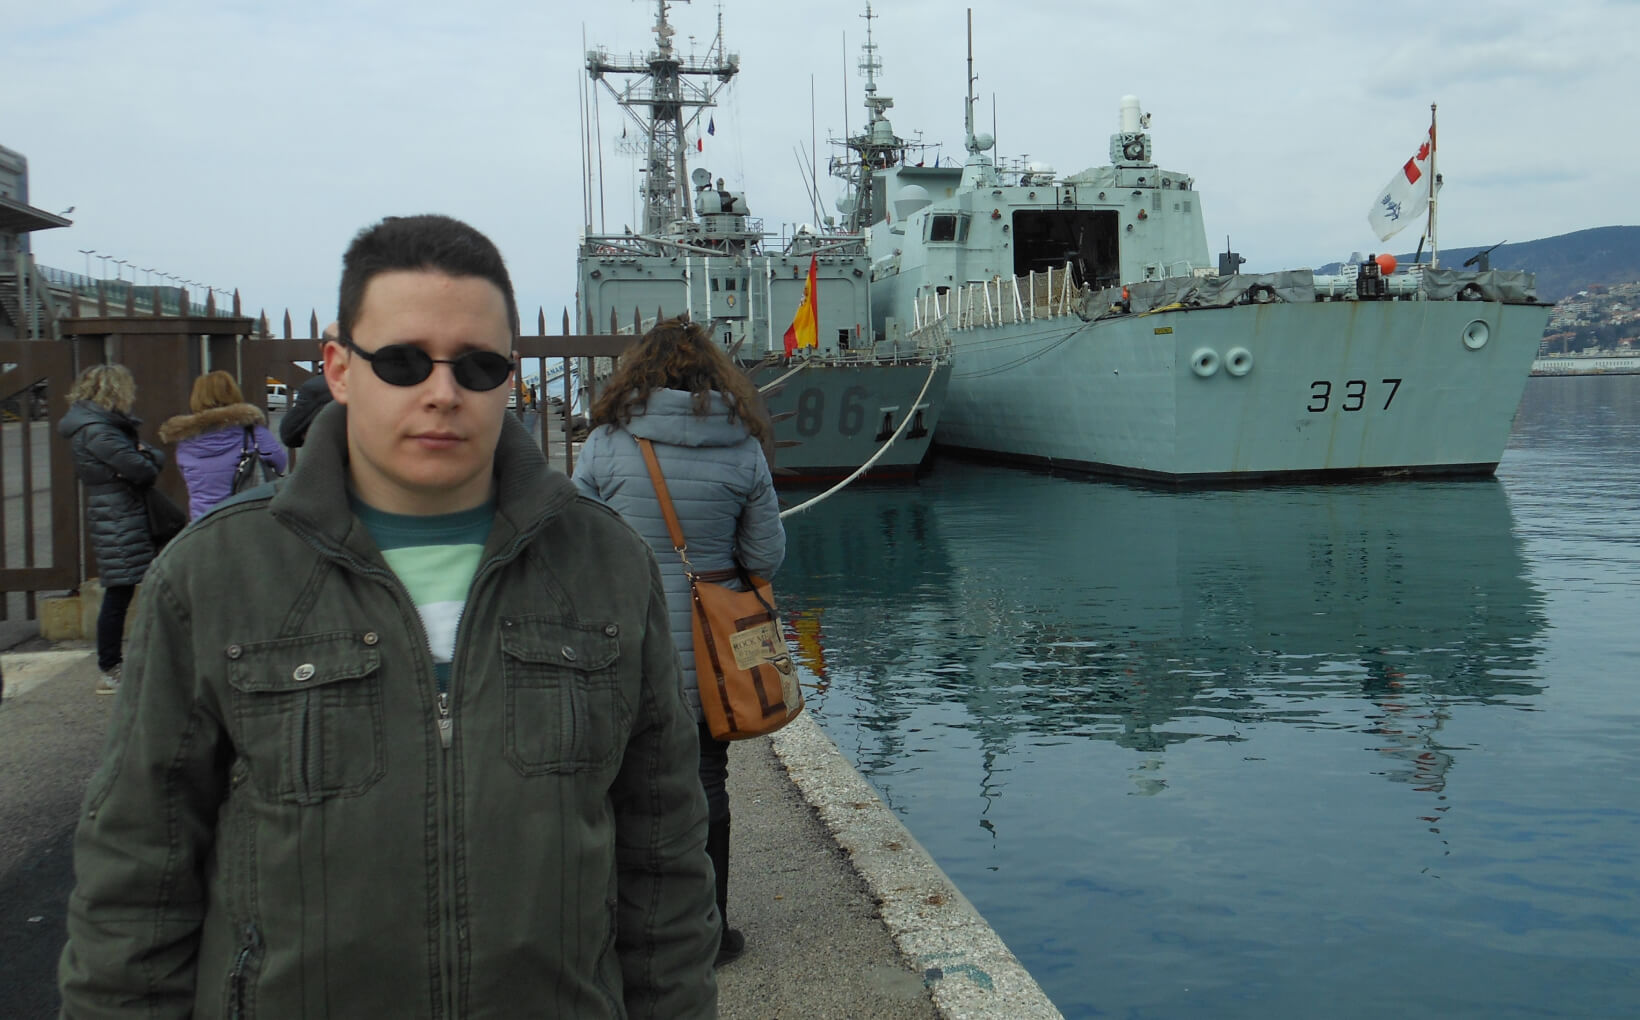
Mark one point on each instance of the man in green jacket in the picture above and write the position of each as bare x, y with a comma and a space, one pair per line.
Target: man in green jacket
402, 735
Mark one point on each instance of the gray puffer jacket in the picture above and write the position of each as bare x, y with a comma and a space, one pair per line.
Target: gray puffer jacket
113, 465
720, 485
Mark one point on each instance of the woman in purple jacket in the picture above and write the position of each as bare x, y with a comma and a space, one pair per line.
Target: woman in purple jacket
210, 439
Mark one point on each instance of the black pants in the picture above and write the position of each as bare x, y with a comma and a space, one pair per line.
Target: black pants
111, 624
714, 774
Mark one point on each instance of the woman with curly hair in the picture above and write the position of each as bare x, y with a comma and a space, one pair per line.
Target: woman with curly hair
210, 440
680, 391
115, 467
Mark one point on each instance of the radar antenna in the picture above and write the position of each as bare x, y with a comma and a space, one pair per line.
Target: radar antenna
664, 93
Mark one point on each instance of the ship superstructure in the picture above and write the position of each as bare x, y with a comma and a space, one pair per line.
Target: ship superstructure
1090, 331
859, 395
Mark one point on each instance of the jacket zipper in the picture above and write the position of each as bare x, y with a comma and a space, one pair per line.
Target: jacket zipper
449, 955
446, 723
250, 941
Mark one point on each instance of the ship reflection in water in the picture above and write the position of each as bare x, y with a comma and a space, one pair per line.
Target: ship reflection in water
1149, 734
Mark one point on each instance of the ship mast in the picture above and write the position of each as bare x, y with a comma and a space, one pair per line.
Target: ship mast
875, 148
664, 93
978, 170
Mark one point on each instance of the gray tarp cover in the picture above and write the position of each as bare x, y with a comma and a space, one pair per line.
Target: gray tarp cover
1293, 285
1514, 286
1202, 291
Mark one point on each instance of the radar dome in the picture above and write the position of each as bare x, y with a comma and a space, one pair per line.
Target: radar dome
911, 198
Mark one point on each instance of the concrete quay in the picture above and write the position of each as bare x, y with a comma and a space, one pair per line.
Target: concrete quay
845, 915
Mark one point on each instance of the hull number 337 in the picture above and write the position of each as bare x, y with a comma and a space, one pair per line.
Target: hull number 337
1352, 396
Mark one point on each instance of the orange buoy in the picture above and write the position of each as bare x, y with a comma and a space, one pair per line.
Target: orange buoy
1386, 264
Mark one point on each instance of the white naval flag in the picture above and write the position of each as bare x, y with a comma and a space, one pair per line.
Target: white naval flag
1406, 196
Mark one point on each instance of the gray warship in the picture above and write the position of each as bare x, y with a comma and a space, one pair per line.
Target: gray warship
1090, 332
861, 401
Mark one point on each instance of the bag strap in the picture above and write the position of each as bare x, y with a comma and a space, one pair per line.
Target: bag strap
245, 447
664, 496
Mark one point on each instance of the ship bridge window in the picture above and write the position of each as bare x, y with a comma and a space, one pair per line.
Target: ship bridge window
950, 227
729, 284
1085, 239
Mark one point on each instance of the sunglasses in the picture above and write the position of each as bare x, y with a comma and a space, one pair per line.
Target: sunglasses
405, 365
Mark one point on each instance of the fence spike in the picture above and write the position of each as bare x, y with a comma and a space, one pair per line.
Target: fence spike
313, 325
287, 324
210, 303
637, 320
236, 308
540, 321
658, 315
566, 321
262, 317
614, 323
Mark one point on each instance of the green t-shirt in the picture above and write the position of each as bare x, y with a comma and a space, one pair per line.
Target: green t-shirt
435, 558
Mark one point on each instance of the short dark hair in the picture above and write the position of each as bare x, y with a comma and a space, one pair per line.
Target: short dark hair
432, 242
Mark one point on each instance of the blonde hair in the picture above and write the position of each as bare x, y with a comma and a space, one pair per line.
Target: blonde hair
214, 389
108, 386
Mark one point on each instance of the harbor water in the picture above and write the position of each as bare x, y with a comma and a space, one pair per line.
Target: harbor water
1356, 750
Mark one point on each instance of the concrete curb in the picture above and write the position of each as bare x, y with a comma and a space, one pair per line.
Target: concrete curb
970, 972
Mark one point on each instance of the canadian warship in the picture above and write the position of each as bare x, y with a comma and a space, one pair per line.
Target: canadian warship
1090, 332
853, 399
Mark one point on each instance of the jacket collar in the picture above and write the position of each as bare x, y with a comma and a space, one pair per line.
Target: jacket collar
668, 416
186, 426
83, 412
529, 493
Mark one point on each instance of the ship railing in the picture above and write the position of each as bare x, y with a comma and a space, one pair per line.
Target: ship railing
1001, 301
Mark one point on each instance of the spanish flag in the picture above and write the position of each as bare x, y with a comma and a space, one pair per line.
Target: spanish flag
805, 328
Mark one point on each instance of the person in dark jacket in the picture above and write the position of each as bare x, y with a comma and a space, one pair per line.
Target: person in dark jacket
115, 466
211, 439
402, 735
310, 399
679, 390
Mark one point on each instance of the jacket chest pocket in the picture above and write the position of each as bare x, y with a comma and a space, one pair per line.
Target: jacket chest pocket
565, 710
308, 715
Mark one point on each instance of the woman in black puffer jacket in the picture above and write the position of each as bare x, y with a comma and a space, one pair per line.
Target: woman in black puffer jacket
114, 466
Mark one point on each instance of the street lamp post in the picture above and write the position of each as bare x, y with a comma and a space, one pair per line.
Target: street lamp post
88, 252
105, 259
119, 274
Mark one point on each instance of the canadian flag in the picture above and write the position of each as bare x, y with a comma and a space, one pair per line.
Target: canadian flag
1406, 196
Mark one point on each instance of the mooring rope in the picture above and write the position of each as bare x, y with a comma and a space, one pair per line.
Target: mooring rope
933, 367
766, 387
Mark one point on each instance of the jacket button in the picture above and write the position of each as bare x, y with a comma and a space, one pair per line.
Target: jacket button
611, 629
568, 653
234, 651
370, 637
303, 672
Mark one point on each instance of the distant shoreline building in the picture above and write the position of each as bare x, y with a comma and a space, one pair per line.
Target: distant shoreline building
23, 293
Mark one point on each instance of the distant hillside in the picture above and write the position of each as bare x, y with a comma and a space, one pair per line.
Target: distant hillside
1564, 265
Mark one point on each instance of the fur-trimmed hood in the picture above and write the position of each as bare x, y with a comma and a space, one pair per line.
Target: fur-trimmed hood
234, 416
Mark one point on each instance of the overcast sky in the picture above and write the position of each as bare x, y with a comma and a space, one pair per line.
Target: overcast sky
242, 143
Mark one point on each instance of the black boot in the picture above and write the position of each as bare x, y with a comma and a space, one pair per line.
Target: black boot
732, 943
